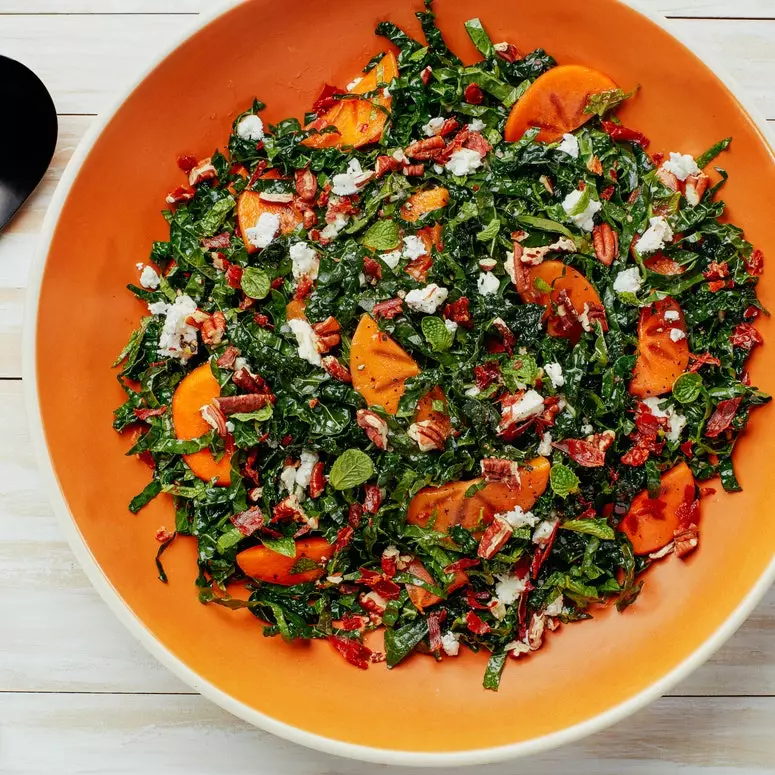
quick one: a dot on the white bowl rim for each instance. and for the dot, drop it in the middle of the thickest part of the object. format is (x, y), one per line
(136, 626)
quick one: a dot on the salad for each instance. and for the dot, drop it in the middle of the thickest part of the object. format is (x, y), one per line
(446, 362)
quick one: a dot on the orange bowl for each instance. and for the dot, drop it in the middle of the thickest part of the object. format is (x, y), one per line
(103, 219)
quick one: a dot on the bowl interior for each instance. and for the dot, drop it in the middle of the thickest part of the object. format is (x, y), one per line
(283, 53)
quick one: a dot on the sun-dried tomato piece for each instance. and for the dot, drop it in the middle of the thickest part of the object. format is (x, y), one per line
(327, 98)
(186, 162)
(464, 563)
(354, 514)
(247, 522)
(317, 481)
(388, 309)
(234, 276)
(754, 264)
(542, 553)
(645, 438)
(722, 417)
(380, 584)
(303, 287)
(261, 320)
(458, 311)
(476, 141)
(343, 538)
(589, 452)
(703, 359)
(372, 268)
(179, 195)
(352, 650)
(145, 414)
(434, 630)
(621, 134)
(716, 271)
(373, 499)
(476, 625)
(486, 374)
(746, 337)
(477, 600)
(473, 94)
(419, 267)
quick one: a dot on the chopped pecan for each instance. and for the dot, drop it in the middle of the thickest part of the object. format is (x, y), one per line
(372, 499)
(535, 632)
(214, 328)
(306, 184)
(179, 195)
(227, 358)
(275, 199)
(201, 172)
(428, 148)
(145, 414)
(509, 340)
(214, 417)
(606, 243)
(496, 469)
(425, 75)
(376, 428)
(217, 242)
(414, 170)
(428, 434)
(385, 164)
(337, 370)
(696, 186)
(309, 218)
(372, 268)
(247, 522)
(317, 481)
(238, 404)
(373, 602)
(686, 540)
(388, 309)
(494, 539)
(328, 334)
(507, 51)
(668, 179)
(589, 452)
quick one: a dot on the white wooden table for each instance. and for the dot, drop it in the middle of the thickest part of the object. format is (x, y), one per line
(77, 694)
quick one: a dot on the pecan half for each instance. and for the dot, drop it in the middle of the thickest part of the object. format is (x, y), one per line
(317, 481)
(337, 370)
(495, 469)
(238, 404)
(328, 334)
(494, 539)
(427, 148)
(179, 195)
(696, 186)
(306, 184)
(214, 417)
(668, 179)
(388, 309)
(414, 170)
(686, 540)
(213, 328)
(428, 434)
(507, 51)
(201, 172)
(376, 428)
(227, 358)
(606, 243)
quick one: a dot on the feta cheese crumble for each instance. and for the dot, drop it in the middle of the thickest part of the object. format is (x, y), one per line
(569, 145)
(450, 642)
(355, 81)
(414, 247)
(304, 471)
(149, 278)
(392, 258)
(543, 532)
(555, 608)
(676, 422)
(476, 125)
(518, 518)
(628, 281)
(463, 162)
(682, 165)
(178, 337)
(530, 404)
(554, 372)
(427, 299)
(583, 218)
(267, 226)
(509, 587)
(545, 445)
(288, 478)
(345, 183)
(655, 237)
(677, 335)
(305, 261)
(331, 231)
(487, 284)
(671, 315)
(433, 126)
(251, 128)
(307, 341)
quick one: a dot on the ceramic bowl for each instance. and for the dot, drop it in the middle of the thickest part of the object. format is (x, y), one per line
(106, 214)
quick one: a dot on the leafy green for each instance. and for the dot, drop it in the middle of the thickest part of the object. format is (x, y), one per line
(687, 388)
(255, 283)
(351, 468)
(562, 480)
(438, 336)
(382, 235)
(399, 643)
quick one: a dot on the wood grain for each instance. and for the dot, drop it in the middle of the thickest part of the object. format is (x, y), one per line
(749, 9)
(181, 735)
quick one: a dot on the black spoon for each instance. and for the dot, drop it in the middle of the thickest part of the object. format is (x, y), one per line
(28, 135)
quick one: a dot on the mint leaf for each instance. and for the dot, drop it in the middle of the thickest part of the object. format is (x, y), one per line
(285, 546)
(382, 235)
(438, 336)
(260, 415)
(255, 283)
(490, 231)
(687, 388)
(521, 368)
(479, 37)
(229, 539)
(302, 565)
(350, 469)
(562, 480)
(593, 527)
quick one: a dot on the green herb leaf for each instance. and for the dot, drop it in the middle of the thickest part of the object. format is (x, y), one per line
(602, 102)
(350, 469)
(438, 336)
(490, 231)
(303, 564)
(494, 671)
(594, 527)
(479, 37)
(401, 642)
(229, 539)
(260, 415)
(687, 388)
(215, 216)
(150, 491)
(285, 546)
(703, 160)
(382, 235)
(255, 283)
(563, 481)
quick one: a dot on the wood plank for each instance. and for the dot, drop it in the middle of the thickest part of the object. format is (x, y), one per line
(85, 59)
(751, 9)
(35, 558)
(180, 735)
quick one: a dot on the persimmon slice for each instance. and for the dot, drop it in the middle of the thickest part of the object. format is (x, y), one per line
(555, 102)
(559, 277)
(263, 564)
(196, 390)
(662, 355)
(249, 209)
(424, 202)
(422, 598)
(358, 122)
(379, 366)
(651, 522)
(448, 506)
